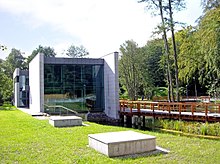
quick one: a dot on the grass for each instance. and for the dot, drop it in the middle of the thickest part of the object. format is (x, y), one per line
(198, 128)
(24, 139)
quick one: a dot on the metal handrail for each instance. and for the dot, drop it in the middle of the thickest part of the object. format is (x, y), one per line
(60, 106)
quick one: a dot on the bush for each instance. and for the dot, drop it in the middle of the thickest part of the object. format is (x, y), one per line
(160, 91)
(197, 128)
(7, 106)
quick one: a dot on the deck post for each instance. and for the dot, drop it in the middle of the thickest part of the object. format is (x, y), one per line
(139, 122)
(122, 119)
(133, 120)
(131, 106)
(143, 121)
(192, 110)
(129, 121)
(138, 107)
(180, 110)
(206, 112)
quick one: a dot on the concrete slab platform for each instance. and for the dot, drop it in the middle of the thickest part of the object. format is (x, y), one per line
(42, 117)
(65, 121)
(114, 144)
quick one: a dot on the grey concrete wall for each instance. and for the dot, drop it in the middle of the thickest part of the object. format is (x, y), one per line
(111, 85)
(16, 88)
(36, 83)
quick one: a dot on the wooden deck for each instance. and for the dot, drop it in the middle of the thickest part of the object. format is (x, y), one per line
(191, 111)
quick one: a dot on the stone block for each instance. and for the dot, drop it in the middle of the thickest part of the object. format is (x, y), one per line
(115, 144)
(65, 121)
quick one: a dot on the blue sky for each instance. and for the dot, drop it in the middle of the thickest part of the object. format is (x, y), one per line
(99, 25)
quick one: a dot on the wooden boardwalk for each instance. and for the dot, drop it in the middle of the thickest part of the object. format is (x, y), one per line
(191, 111)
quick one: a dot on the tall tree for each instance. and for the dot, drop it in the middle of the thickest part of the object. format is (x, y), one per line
(47, 51)
(14, 60)
(7, 67)
(167, 52)
(167, 23)
(209, 40)
(129, 68)
(189, 56)
(158, 6)
(199, 51)
(6, 87)
(77, 52)
(151, 66)
(177, 4)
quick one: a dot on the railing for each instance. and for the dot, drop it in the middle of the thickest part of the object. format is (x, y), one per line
(176, 110)
(58, 109)
(182, 98)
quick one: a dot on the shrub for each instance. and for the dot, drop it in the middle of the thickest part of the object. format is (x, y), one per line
(160, 91)
(198, 128)
(204, 129)
(7, 106)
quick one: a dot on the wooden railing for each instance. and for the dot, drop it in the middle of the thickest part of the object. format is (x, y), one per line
(176, 110)
(182, 98)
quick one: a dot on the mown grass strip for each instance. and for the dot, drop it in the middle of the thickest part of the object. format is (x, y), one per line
(24, 139)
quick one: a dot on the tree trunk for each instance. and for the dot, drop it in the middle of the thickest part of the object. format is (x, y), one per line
(169, 77)
(174, 50)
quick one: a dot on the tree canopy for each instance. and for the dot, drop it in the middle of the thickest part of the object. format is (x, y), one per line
(14, 60)
(77, 51)
(47, 51)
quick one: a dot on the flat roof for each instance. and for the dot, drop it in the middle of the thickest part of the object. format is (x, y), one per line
(86, 61)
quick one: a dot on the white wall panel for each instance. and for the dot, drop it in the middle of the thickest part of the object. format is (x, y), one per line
(36, 82)
(111, 85)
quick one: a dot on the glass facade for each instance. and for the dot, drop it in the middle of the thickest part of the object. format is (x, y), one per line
(23, 93)
(78, 87)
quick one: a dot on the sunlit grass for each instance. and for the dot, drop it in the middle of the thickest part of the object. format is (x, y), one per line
(24, 139)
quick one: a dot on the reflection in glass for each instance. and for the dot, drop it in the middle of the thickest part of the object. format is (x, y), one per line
(23, 91)
(77, 87)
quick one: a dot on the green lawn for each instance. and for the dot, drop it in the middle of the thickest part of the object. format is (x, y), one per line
(24, 139)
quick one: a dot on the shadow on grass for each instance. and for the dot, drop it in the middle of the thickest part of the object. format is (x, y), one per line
(158, 151)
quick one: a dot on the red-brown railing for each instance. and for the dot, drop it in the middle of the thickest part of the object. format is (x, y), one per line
(182, 110)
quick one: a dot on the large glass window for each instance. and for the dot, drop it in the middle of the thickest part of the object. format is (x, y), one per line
(23, 91)
(77, 87)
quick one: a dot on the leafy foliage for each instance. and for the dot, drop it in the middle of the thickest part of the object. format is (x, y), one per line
(198, 128)
(130, 68)
(47, 51)
(6, 88)
(210, 4)
(165, 8)
(14, 60)
(140, 68)
(77, 52)
(199, 50)
(152, 68)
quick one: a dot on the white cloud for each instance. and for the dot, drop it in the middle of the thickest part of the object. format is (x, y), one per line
(101, 25)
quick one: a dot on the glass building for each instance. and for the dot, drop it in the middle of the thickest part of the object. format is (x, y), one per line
(77, 87)
(21, 87)
(75, 84)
